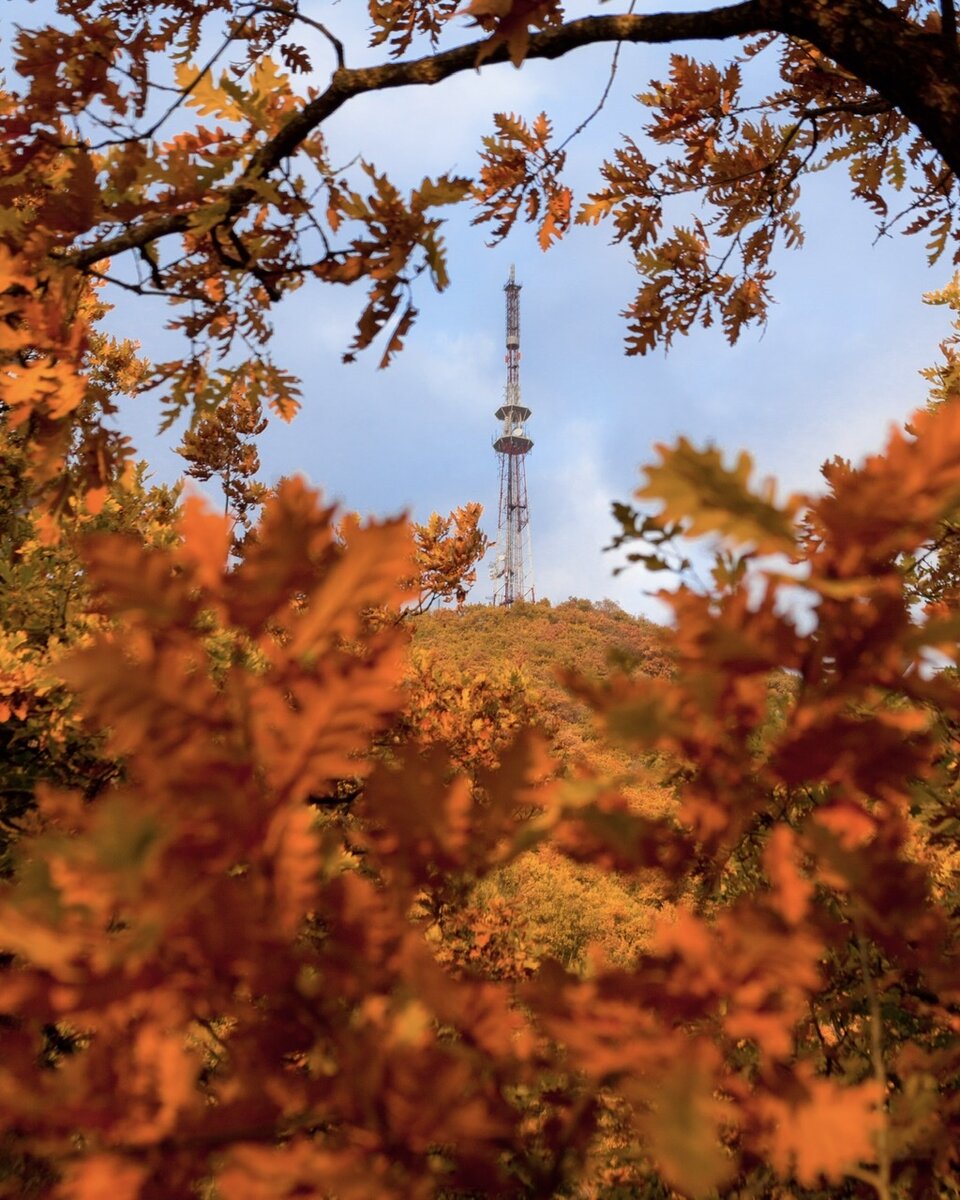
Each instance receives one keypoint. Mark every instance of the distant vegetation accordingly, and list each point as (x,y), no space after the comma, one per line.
(536,644)
(499,661)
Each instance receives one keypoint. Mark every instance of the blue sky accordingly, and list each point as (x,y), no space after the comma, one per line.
(837,363)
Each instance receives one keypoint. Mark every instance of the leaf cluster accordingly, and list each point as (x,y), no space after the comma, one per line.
(181,153)
(741,969)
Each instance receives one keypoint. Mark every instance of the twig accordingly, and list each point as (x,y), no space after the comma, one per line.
(942,186)
(282,10)
(347,83)
(603,98)
(185,93)
(882,1180)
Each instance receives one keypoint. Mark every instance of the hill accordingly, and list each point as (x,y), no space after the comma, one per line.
(535,644)
(576,633)
(497,669)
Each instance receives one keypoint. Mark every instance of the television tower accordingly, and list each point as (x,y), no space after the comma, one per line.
(512,570)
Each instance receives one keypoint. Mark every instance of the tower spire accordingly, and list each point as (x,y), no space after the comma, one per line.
(512,570)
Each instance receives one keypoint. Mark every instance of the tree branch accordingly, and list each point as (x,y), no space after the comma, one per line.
(888,53)
(711,24)
(294,15)
(948,27)
(882,1180)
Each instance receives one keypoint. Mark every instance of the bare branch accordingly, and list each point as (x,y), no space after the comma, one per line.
(598,108)
(347,83)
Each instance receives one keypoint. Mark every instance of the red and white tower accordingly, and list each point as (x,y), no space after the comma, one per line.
(512,570)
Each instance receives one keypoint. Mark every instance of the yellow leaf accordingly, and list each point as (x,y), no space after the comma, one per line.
(267,79)
(204,219)
(205,96)
(696,488)
(54,388)
(12,221)
(593,211)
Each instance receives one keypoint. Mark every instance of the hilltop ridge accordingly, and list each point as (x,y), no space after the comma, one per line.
(498,669)
(584,635)
(535,643)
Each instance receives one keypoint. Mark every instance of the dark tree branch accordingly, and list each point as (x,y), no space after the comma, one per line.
(152,267)
(948,26)
(909,68)
(337,799)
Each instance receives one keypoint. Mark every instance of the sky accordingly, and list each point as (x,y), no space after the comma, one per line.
(837,363)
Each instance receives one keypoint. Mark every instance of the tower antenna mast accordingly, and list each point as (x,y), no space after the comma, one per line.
(512,570)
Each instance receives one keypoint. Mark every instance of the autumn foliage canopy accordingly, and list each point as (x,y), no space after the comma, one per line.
(276,916)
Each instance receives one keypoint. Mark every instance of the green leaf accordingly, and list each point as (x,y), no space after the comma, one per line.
(204,219)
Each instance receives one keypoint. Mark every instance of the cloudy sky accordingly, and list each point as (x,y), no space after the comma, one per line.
(837,363)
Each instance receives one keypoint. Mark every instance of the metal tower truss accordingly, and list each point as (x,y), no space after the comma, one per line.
(512,569)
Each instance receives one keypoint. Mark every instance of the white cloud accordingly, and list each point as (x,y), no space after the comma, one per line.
(455,370)
(429,130)
(570,523)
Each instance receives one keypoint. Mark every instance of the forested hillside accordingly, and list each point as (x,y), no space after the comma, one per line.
(500,669)
(535,645)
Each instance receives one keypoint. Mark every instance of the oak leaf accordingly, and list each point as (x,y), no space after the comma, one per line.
(792,892)
(292,844)
(828,1133)
(697,488)
(102,1175)
(683,1125)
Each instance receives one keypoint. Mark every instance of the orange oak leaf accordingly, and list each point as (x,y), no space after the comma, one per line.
(791,891)
(826,1134)
(102,1175)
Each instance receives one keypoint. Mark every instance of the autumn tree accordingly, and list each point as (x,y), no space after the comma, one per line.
(207,987)
(44,614)
(212,186)
(790,1018)
(222,445)
(448,550)
(44,597)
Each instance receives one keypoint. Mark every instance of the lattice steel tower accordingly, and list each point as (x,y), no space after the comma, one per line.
(512,570)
